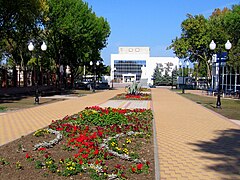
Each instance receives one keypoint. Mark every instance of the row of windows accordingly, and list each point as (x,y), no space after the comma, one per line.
(128,66)
(130,62)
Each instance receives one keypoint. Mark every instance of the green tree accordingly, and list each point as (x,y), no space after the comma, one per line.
(159,77)
(232,26)
(194,42)
(18,20)
(75,33)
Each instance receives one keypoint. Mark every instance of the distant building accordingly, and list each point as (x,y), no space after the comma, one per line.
(135,64)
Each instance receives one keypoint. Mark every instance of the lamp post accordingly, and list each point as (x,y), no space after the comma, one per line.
(61,70)
(187,64)
(31,48)
(183,75)
(94,64)
(114,69)
(181,65)
(212,46)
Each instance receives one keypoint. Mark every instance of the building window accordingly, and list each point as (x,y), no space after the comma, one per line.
(128,67)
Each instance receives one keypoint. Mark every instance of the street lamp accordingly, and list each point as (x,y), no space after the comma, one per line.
(212,46)
(114,69)
(187,64)
(31,48)
(94,64)
(180,65)
(183,75)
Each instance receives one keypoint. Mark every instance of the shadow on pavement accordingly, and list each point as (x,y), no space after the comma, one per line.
(227,149)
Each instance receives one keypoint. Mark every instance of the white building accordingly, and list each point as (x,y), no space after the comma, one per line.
(135,64)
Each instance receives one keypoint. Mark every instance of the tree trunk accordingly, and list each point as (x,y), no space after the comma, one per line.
(25,78)
(14,78)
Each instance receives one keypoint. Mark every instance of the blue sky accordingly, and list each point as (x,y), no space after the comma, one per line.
(152,23)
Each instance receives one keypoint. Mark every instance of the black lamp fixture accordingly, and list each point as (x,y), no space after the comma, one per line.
(212,46)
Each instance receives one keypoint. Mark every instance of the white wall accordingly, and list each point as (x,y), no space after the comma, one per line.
(153,61)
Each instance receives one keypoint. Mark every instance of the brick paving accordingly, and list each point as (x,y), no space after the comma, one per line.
(127,104)
(15,124)
(192,142)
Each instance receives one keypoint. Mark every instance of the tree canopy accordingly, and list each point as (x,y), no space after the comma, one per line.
(74,34)
(197,33)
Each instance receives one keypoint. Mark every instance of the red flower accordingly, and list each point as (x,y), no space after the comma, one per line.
(133,169)
(76,155)
(80,162)
(118,166)
(85,156)
(87,128)
(97,161)
(96,152)
(148,163)
(42,149)
(100,133)
(28,156)
(139,166)
(59,129)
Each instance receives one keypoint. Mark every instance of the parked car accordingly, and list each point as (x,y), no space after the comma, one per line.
(82,85)
(89,85)
(102,85)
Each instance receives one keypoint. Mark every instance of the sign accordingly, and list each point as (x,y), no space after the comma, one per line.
(221,56)
(61,69)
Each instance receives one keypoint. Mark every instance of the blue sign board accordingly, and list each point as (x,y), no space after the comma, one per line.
(222,56)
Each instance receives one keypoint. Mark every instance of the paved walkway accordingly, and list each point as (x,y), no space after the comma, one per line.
(16,124)
(193,142)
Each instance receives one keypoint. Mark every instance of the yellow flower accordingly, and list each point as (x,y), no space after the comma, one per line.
(125,150)
(128,141)
(48,162)
(118,149)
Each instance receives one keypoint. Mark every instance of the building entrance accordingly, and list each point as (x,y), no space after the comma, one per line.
(129,77)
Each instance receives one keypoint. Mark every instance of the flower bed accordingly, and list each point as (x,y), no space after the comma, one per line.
(140,96)
(96,143)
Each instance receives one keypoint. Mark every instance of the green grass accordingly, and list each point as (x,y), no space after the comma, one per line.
(26,102)
(230,108)
(2,108)
(17,103)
